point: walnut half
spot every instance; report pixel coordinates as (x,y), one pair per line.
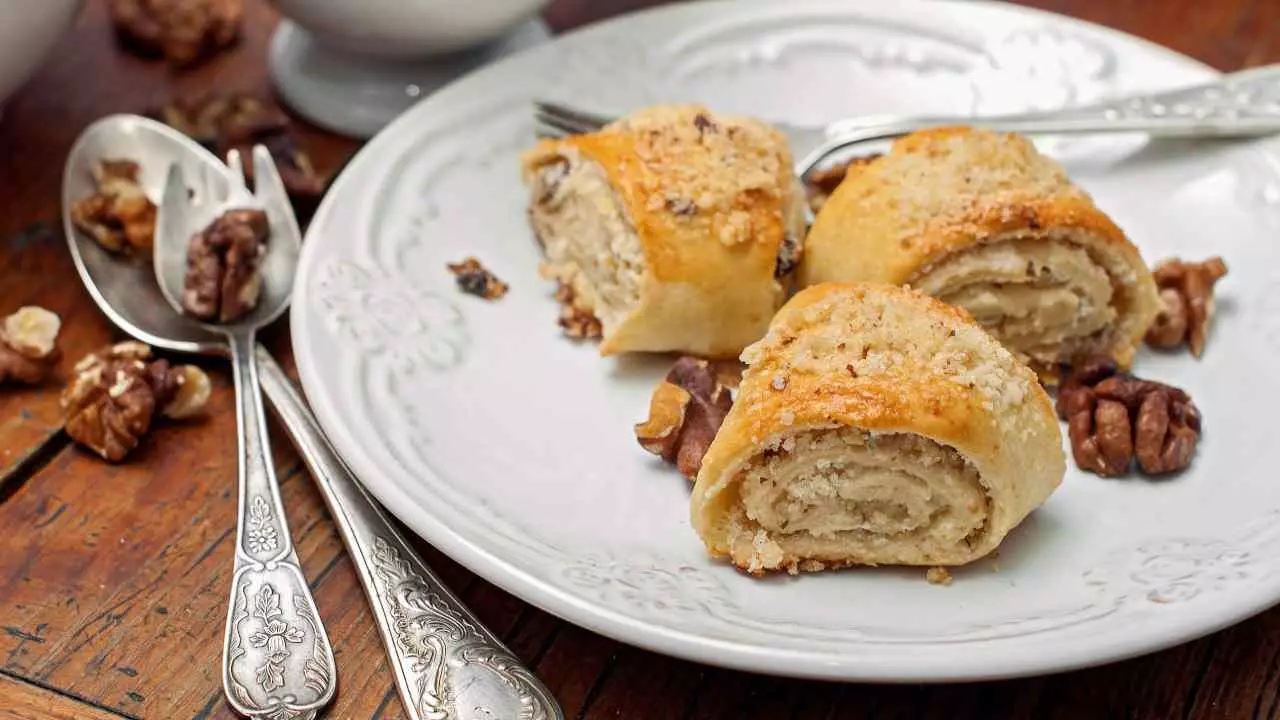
(1186,296)
(184,32)
(223,280)
(1113,418)
(29,345)
(237,121)
(116,392)
(685,413)
(119,215)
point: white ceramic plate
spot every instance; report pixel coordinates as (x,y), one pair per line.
(510,447)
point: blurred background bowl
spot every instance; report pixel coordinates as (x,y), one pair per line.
(406,29)
(352,66)
(28,31)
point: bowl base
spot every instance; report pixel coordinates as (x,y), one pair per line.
(357,95)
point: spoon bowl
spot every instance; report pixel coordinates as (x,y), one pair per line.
(124,288)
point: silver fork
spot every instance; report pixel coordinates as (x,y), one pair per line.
(277,662)
(1241,104)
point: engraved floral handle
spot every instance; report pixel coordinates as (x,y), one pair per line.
(277,661)
(447,664)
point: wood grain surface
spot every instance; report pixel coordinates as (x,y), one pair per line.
(113,580)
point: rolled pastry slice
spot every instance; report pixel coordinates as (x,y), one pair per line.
(875,425)
(983,221)
(676,227)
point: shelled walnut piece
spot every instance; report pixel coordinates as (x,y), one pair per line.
(475,279)
(29,345)
(685,413)
(119,215)
(224,280)
(184,32)
(221,122)
(1113,417)
(1186,291)
(237,121)
(116,392)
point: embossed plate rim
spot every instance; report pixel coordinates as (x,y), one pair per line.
(975,660)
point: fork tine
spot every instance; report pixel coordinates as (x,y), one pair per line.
(172,226)
(560,124)
(564,123)
(571,115)
(206,193)
(543,129)
(554,127)
(556,120)
(269,189)
(173,199)
(236,163)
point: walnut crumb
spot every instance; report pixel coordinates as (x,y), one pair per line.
(790,253)
(938,576)
(474,279)
(578,323)
(681,206)
(812,566)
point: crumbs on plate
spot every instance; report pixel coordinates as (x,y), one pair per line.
(938,576)
(475,279)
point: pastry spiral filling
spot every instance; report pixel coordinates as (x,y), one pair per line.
(589,241)
(1047,300)
(827,495)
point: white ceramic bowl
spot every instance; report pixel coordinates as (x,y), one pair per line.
(28,31)
(353,65)
(405,28)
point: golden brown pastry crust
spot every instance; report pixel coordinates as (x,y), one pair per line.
(886,360)
(942,192)
(711,198)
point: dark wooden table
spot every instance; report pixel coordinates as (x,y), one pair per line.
(113,580)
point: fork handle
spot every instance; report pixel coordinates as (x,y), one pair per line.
(447,663)
(277,660)
(1241,104)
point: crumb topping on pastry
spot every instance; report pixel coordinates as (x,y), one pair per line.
(896,337)
(938,173)
(677,144)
